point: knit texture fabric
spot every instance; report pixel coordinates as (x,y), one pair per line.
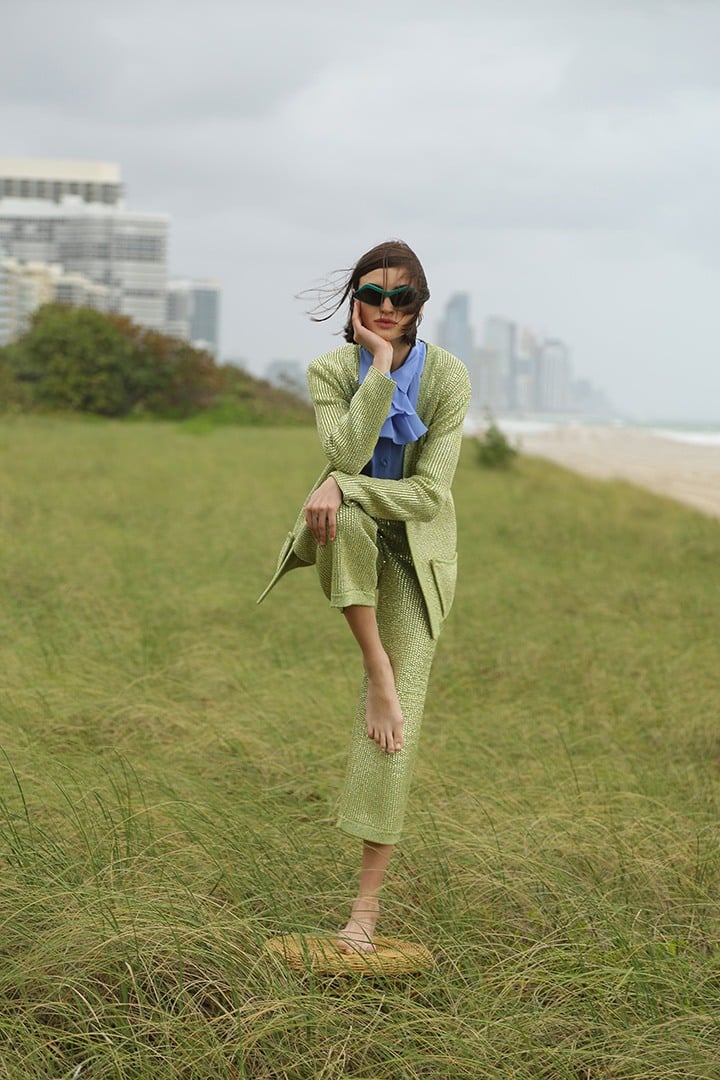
(370,563)
(395,550)
(349,417)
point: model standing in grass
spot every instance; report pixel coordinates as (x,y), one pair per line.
(380,527)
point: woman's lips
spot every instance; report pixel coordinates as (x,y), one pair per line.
(384,322)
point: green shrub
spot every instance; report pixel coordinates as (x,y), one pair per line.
(494,449)
(80,360)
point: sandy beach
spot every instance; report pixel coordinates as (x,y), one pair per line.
(686,472)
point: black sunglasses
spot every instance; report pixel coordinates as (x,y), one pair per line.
(404,296)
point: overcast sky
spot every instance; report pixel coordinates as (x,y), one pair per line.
(559,160)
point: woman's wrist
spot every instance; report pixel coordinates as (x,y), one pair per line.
(382,360)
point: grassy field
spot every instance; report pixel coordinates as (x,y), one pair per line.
(171,756)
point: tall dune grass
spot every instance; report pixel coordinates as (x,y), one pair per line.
(171,757)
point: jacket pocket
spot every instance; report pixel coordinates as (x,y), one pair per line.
(445,575)
(289,540)
(283,558)
(303,545)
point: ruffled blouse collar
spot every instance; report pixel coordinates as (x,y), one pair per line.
(403,425)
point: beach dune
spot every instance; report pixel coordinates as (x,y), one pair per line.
(679,470)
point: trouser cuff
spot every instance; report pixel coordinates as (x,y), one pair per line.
(354,596)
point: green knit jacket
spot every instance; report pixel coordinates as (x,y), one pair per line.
(349,418)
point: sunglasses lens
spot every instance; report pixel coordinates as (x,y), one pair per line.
(406,298)
(369,295)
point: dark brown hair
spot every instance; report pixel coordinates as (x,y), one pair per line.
(394,253)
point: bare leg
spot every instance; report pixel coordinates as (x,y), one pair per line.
(383,714)
(357,935)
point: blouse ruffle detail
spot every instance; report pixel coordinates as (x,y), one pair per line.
(403,425)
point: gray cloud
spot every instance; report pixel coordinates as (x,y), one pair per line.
(556,160)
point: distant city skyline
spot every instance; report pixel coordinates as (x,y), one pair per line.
(517,370)
(514,370)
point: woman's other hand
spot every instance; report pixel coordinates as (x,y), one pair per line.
(320,511)
(382,351)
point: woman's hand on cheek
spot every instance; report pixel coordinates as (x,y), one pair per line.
(321,509)
(362,334)
(381,350)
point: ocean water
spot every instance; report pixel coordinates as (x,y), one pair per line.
(693,436)
(512,426)
(515,427)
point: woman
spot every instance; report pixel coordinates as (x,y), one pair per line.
(380,527)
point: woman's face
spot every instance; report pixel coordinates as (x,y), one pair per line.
(386,321)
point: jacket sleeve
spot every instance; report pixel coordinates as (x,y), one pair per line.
(349,417)
(418,497)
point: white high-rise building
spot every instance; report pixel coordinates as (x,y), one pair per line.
(487,389)
(193,312)
(524,361)
(554,377)
(23,288)
(5,315)
(455,334)
(500,336)
(26,286)
(51,180)
(73,213)
(454,330)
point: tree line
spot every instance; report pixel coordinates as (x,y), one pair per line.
(81,360)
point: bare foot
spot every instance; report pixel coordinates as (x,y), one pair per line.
(357,936)
(383,715)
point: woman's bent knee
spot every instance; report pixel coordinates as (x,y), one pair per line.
(351,520)
(348,565)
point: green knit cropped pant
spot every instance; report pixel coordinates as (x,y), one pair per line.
(370,563)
